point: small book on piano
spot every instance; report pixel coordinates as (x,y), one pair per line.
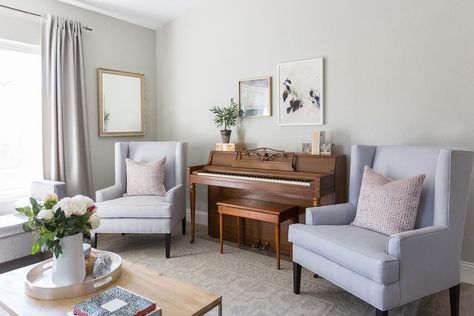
(229,147)
(116,301)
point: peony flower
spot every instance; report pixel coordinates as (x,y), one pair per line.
(78,205)
(51,198)
(88,202)
(94,220)
(70,207)
(46,215)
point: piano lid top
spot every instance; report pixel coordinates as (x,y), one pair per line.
(271,159)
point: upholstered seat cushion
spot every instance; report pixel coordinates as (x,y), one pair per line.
(148,206)
(359,249)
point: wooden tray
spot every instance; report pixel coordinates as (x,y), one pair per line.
(38,282)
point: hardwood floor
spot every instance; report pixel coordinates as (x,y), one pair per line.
(21,262)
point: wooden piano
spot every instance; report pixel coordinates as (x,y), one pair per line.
(270,175)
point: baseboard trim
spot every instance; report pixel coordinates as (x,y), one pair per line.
(467,272)
(201,217)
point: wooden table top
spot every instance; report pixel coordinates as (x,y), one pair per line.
(174,297)
(257,205)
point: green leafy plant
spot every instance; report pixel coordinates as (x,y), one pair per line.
(53,220)
(226,116)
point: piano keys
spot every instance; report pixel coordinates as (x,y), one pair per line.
(266,179)
(270,175)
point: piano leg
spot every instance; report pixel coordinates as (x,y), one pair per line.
(192,203)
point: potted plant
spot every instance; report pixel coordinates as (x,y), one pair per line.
(226,117)
(58,226)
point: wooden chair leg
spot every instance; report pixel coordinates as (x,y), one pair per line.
(183,225)
(221,231)
(379,312)
(238,231)
(168,244)
(277,244)
(296,278)
(454,298)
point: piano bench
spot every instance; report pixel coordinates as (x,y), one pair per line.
(265,211)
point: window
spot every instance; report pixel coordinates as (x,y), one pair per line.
(20,121)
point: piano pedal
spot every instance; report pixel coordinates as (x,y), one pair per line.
(257,244)
(266,246)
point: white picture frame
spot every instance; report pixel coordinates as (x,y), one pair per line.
(255,97)
(303,101)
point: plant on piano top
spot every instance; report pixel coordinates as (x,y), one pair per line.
(226,117)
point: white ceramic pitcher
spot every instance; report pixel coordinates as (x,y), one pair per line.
(69,268)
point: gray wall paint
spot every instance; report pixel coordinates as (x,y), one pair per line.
(397,72)
(113,44)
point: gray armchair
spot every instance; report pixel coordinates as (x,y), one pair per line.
(390,271)
(147,214)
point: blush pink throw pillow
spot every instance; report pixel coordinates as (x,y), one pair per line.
(146,178)
(388,206)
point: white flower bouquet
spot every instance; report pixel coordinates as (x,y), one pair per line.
(53,220)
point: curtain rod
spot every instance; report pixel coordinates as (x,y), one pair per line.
(88,28)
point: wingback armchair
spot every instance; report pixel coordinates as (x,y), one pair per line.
(390,271)
(146,214)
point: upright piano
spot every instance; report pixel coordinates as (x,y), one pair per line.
(270,175)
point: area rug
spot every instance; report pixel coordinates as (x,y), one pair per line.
(248,282)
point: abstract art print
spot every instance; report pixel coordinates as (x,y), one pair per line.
(255,97)
(300,92)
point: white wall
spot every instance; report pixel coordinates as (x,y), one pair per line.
(397,72)
(113,44)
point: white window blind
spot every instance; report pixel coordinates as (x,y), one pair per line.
(20,119)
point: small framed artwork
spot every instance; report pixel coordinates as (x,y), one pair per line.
(255,97)
(300,92)
(306,148)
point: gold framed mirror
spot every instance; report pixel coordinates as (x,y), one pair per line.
(121,103)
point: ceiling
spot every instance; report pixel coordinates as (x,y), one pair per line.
(149,13)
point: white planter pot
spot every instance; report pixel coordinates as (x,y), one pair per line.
(69,268)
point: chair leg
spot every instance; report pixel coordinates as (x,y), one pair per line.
(296,278)
(183,225)
(454,296)
(167,244)
(379,312)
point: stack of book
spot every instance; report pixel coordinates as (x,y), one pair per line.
(117,301)
(229,147)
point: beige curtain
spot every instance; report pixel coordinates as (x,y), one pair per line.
(65,138)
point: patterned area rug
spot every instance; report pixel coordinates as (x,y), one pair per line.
(248,281)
